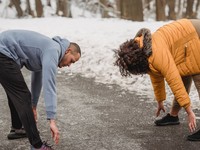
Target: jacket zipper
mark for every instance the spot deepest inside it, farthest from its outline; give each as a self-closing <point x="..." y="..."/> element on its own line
<point x="185" y="52"/>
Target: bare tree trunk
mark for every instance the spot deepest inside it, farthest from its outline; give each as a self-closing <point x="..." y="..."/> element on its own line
<point x="197" y="8"/>
<point x="16" y="3"/>
<point x="10" y="4"/>
<point x="105" y="12"/>
<point x="28" y="8"/>
<point x="137" y="10"/>
<point x="172" y="14"/>
<point x="118" y="7"/>
<point x="126" y="11"/>
<point x="132" y="10"/>
<point x="65" y="8"/>
<point x="189" y="9"/>
<point x="39" y="8"/>
<point x="62" y="5"/>
<point x="57" y="7"/>
<point x="121" y="8"/>
<point x="179" y="12"/>
<point x="160" y="10"/>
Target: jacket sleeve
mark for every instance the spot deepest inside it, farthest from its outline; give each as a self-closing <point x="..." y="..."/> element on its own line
<point x="170" y="72"/>
<point x="159" y="87"/>
<point x="36" y="85"/>
<point x="49" y="72"/>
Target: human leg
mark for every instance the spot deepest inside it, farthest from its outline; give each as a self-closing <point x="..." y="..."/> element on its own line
<point x="15" y="87"/>
<point x="172" y="117"/>
<point x="196" y="79"/>
<point x="196" y="136"/>
<point x="17" y="131"/>
<point x="196" y="24"/>
<point x="187" y="81"/>
<point x="15" y="120"/>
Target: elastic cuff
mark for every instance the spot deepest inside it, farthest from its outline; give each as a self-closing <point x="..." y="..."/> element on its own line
<point x="51" y="115"/>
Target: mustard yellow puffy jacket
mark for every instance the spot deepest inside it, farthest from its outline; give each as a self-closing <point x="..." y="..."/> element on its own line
<point x="175" y="53"/>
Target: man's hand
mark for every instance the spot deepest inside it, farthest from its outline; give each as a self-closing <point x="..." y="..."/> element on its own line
<point x="35" y="113"/>
<point x="54" y="131"/>
<point x="159" y="108"/>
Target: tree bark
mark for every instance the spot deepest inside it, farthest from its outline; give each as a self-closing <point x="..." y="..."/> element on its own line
<point x="172" y="13"/>
<point x="189" y="9"/>
<point x="39" y="8"/>
<point x="63" y="6"/>
<point x="16" y="3"/>
<point x="121" y="8"/>
<point x="160" y="10"/>
<point x="197" y="8"/>
<point x="28" y="8"/>
<point x="105" y="12"/>
<point x="137" y="10"/>
<point x="132" y="10"/>
<point x="179" y="12"/>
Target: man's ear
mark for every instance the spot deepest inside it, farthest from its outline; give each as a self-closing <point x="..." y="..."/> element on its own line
<point x="68" y="50"/>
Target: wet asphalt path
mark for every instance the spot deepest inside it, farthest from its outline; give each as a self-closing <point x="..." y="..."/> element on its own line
<point x="94" y="116"/>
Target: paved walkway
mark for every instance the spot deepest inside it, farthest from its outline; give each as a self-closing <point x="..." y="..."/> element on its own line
<point x="94" y="116"/>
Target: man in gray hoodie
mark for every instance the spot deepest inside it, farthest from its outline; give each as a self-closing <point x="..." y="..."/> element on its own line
<point x="41" y="55"/>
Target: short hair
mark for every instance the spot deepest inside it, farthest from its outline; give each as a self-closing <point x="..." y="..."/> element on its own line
<point x="78" y="49"/>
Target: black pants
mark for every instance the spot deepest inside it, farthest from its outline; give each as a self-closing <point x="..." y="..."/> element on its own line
<point x="19" y="98"/>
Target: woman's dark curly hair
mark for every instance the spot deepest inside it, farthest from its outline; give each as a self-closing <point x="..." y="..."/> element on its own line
<point x="132" y="59"/>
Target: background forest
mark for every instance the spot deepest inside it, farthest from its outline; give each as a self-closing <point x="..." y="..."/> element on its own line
<point x="135" y="10"/>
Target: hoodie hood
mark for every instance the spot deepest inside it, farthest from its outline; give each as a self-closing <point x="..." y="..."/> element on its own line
<point x="64" y="44"/>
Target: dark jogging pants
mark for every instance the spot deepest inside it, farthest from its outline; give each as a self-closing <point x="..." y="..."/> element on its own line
<point x="19" y="98"/>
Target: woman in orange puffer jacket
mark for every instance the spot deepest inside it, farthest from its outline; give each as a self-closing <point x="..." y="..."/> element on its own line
<point x="171" y="53"/>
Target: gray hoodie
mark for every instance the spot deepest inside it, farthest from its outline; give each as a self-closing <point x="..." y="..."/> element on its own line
<point x="39" y="54"/>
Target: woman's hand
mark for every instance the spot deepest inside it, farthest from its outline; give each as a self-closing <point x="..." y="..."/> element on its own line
<point x="54" y="131"/>
<point x="159" y="108"/>
<point x="191" y="119"/>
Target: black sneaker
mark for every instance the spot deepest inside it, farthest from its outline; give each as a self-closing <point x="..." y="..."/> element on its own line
<point x="16" y="134"/>
<point x="194" y="137"/>
<point x="45" y="146"/>
<point x="167" y="120"/>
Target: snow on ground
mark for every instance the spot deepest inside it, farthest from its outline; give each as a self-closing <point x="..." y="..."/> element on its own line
<point x="97" y="39"/>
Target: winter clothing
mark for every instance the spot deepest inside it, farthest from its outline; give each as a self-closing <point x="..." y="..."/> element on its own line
<point x="194" y="137"/>
<point x="175" y="53"/>
<point x="167" y="120"/>
<point x="174" y="120"/>
<point x="17" y="91"/>
<point x="41" y="55"/>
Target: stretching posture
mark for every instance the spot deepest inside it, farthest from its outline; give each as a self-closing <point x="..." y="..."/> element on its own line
<point x="42" y="56"/>
<point x="171" y="53"/>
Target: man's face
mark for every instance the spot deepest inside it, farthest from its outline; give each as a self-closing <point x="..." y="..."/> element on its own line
<point x="69" y="58"/>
